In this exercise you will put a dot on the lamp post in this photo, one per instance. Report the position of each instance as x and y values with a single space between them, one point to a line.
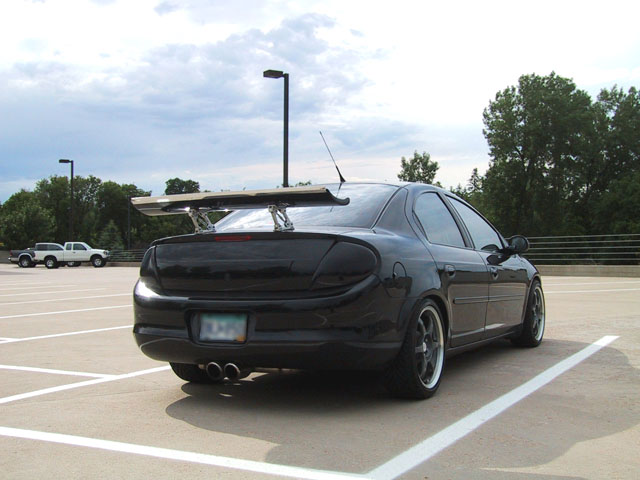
129 223
280 74
64 160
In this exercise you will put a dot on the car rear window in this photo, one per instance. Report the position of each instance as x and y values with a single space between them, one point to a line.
365 203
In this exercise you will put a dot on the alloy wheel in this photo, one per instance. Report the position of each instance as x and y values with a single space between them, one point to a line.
538 313
429 347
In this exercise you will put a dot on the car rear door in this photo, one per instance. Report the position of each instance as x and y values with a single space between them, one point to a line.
463 272
508 274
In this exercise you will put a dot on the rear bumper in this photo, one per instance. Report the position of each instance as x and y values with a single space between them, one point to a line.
358 329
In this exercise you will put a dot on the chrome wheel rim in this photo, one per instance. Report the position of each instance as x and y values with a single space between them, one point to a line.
429 347
537 314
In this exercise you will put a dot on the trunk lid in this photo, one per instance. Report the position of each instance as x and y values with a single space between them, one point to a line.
257 264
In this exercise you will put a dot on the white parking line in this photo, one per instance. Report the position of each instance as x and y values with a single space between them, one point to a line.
54 335
64 311
56 291
6 339
564 284
45 285
70 386
450 435
55 372
546 292
28 284
68 298
169 454
395 467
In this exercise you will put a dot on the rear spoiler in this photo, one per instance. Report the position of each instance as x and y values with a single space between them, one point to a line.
196 205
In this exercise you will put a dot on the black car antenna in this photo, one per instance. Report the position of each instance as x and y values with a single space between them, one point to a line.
342 180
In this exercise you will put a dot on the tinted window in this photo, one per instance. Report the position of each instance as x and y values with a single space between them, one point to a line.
365 203
483 235
437 221
78 246
68 246
48 247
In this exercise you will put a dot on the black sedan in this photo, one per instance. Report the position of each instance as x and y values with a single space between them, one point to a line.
393 278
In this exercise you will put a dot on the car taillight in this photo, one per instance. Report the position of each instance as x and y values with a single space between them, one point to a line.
148 272
345 264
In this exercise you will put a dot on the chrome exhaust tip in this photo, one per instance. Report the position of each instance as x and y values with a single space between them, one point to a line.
214 371
233 372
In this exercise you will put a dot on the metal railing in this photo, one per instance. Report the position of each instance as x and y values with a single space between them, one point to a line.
623 249
127 255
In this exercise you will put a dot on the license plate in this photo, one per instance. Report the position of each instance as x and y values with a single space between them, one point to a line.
223 327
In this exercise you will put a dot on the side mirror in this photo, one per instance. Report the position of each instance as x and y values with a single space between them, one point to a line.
518 244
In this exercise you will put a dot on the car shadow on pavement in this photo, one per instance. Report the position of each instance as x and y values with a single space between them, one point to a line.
346 421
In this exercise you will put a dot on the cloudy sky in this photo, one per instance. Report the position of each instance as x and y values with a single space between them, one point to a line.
146 90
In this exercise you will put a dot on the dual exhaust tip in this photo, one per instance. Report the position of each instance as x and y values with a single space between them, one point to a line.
230 371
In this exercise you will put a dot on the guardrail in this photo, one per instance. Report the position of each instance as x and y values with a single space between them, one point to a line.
623 249
127 255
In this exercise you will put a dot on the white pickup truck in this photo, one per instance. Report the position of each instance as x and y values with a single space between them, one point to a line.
54 255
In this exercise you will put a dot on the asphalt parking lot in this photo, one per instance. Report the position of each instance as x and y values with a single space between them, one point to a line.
78 399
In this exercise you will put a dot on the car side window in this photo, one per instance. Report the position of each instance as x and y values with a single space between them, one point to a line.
437 221
483 235
56 247
78 246
68 246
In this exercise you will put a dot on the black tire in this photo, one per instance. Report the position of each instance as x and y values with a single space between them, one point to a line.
191 373
417 370
25 261
51 262
534 319
97 261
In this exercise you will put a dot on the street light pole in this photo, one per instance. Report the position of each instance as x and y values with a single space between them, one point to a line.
285 141
64 160
128 223
285 154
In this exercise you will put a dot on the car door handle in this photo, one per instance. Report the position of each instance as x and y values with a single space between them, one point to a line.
450 269
494 272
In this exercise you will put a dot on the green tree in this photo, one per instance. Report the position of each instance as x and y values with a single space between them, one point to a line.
112 206
85 211
177 185
618 207
110 237
420 168
54 195
560 160
539 133
23 222
472 192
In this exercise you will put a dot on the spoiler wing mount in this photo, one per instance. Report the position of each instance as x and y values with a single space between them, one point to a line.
201 221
